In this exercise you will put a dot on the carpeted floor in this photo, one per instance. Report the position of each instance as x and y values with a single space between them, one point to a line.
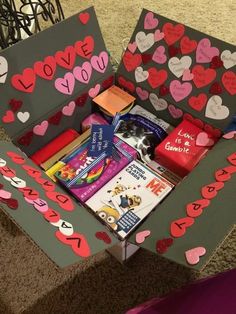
29 282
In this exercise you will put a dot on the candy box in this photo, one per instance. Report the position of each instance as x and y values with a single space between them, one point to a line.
174 72
183 148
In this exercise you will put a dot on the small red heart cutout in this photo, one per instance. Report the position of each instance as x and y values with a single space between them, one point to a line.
29 193
102 235
108 82
173 51
164 90
163 245
224 174
126 84
198 102
210 191
85 48
232 159
12 203
26 139
9 117
81 100
156 77
187 45
31 171
66 58
84 17
146 58
195 208
216 89
45 69
56 118
216 63
131 61
17 159
24 82
178 227
15 104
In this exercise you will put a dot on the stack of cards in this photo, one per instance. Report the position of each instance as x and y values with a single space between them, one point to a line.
129 197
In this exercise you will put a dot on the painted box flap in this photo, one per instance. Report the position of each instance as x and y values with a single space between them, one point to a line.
199 213
41 75
64 230
175 70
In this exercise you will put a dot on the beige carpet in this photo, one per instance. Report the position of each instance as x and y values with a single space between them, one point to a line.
29 282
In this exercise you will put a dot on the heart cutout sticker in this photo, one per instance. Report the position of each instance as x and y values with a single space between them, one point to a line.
198 102
144 41
69 109
204 140
179 90
150 21
23 116
230 135
102 235
9 117
195 208
172 32
193 255
85 48
229 82
141 236
159 55
211 190
158 103
228 58
215 110
66 58
15 104
176 113
156 77
178 227
131 61
203 77
41 128
65 85
45 69
187 45
84 17
143 94
163 245
24 82
205 52
224 174
93 92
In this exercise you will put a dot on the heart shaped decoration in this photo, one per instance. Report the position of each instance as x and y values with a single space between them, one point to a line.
228 58
51 215
85 48
83 73
140 75
132 47
102 235
178 227
229 82
63 200
193 255
131 61
143 94
141 236
224 174
204 140
41 128
26 139
143 41
159 55
66 85
45 69
19 160
16 182
66 58
93 92
3 69
230 135
146 57
7 172
187 75
158 35
126 84
216 89
205 52
23 116
150 21
195 208
69 109
84 17
9 117
29 193
232 159
173 51
15 104
158 103
215 110
198 102
179 90
39 204
211 190
99 63
178 66
55 119
203 77
172 32
163 245
187 45
176 113
65 228
156 77
216 63
46 184
5 194
24 82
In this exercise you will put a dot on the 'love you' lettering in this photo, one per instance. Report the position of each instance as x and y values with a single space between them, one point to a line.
24 82
65 85
45 69
85 48
83 73
99 63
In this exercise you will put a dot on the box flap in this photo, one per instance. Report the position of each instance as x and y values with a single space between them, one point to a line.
38 208
176 70
40 75
200 212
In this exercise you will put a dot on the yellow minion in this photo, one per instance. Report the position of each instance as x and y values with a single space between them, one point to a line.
109 215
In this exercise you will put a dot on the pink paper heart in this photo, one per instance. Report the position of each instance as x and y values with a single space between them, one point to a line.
41 128
175 112
229 135
69 109
39 204
93 92
5 194
205 52
180 91
159 55
187 75
143 94
99 63
158 35
193 255
141 236
65 85
83 73
132 47
204 140
150 21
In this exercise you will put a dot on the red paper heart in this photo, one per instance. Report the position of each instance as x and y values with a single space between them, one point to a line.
216 63
198 102
7 172
77 242
56 118
102 235
15 104
108 82
85 48
46 184
81 100
66 58
126 84
31 171
52 216
202 77
164 90
84 17
9 117
24 82
187 45
210 191
29 193
17 159
12 203
216 89
195 208
131 61
45 69
178 227
232 159
172 32
229 82
173 51
214 132
26 139
63 200
224 174
156 78
146 58
163 245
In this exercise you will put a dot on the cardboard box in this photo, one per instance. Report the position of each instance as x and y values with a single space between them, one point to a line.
175 72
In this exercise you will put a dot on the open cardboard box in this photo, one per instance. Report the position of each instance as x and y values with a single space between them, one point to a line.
39 73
